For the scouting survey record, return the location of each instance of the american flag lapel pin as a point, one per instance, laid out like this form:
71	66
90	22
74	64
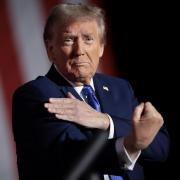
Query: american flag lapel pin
105	88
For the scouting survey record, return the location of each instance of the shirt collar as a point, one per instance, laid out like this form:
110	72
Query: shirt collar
79	88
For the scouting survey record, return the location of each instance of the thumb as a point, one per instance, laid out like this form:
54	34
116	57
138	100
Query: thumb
137	112
69	95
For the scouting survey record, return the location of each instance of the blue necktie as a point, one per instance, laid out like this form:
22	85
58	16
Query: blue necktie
91	99
112	177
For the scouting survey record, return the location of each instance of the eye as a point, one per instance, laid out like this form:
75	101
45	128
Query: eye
88	39
69	40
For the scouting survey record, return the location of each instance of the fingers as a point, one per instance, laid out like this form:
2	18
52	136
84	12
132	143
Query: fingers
58	105
54	102
60	110
63	100
145	110
149	108
63	108
151	111
61	105
138	112
60	100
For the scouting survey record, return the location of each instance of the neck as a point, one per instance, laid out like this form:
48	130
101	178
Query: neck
75	81
81	81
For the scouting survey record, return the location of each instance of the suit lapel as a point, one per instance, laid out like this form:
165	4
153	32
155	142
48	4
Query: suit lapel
103	93
70	89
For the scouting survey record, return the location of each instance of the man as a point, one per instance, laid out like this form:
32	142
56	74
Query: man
63	130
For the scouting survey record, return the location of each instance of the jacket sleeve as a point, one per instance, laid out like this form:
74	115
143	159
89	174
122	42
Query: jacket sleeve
158	150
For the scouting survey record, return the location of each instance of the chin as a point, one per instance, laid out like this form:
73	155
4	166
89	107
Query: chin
81	73
82	77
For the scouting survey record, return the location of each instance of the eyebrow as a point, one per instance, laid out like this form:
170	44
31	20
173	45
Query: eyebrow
71	33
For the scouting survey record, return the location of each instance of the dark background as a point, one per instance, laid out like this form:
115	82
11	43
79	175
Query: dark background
146	44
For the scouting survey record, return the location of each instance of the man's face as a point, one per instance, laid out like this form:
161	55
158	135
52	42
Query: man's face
76	49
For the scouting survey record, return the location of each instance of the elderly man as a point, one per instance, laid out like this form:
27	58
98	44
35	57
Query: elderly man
74	123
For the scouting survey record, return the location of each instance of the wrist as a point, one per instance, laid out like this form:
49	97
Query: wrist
130	145
105	122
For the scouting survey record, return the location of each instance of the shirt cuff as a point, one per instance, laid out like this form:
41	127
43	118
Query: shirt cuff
111	127
124	157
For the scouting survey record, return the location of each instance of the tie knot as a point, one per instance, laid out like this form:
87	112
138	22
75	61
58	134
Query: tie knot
87	89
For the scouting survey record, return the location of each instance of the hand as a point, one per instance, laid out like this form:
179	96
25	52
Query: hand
74	110
146	122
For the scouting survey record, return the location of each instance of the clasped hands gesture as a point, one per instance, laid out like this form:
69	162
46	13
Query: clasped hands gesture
146	120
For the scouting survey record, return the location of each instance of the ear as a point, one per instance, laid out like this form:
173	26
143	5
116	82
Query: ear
101	51
50	49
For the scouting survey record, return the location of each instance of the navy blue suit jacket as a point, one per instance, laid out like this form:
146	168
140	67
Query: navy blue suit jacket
48	148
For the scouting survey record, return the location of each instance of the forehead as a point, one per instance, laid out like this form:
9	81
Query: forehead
80	26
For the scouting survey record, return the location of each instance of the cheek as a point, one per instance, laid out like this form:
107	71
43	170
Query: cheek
69	66
62	56
65	52
96	52
94	56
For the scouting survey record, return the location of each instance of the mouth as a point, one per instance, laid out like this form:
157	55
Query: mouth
80	63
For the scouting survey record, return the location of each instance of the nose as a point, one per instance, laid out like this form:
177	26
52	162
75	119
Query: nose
79	47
